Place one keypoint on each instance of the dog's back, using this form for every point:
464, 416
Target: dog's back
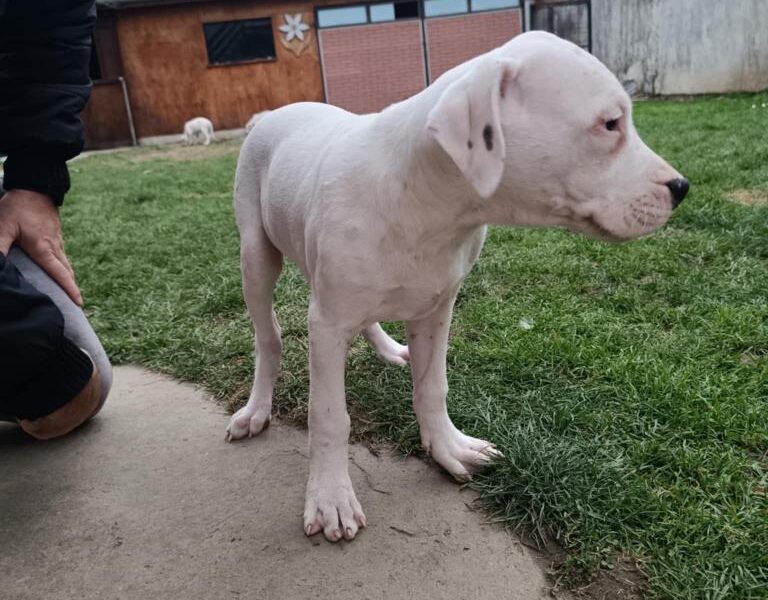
281, 149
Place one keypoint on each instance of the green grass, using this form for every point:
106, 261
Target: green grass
633, 416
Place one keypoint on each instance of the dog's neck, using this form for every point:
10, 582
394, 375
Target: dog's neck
431, 180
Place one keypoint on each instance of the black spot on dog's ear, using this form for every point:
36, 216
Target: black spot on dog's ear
488, 137
469, 144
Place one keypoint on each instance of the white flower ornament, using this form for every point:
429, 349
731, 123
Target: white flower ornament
293, 27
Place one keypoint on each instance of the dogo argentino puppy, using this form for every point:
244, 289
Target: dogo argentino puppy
197, 129
386, 213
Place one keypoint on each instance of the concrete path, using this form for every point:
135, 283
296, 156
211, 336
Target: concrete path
148, 501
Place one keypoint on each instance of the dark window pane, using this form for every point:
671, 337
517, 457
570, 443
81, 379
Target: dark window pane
540, 18
406, 10
347, 15
571, 22
238, 41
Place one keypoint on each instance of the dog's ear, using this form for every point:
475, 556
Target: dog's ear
466, 122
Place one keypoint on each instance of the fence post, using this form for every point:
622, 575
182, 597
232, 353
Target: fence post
128, 110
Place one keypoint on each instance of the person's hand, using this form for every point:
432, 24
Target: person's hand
31, 221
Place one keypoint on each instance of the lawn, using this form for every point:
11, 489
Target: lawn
633, 414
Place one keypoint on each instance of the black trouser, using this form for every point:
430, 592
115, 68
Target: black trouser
40, 369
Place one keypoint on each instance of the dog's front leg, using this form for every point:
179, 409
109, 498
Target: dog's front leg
459, 454
331, 504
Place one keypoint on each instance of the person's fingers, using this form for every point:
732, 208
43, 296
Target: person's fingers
58, 250
8, 235
31, 220
5, 243
49, 262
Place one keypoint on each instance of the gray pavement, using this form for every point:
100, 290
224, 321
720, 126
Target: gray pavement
148, 501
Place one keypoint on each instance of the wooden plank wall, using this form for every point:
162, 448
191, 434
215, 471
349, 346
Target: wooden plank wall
169, 80
105, 118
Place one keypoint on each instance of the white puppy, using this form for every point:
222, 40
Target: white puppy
255, 119
198, 129
386, 213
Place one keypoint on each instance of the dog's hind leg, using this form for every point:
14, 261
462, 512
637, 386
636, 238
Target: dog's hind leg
261, 264
387, 348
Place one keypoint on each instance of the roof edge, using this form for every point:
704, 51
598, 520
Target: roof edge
123, 4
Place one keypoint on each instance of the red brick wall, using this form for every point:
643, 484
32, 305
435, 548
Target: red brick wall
368, 67
453, 40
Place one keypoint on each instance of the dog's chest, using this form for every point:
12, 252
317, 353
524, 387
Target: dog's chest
409, 281
412, 297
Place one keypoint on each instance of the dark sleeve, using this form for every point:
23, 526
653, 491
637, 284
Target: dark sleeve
40, 369
45, 49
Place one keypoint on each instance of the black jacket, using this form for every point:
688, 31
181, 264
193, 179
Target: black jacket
45, 48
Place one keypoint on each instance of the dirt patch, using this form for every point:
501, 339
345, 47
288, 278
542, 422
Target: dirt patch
625, 581
749, 197
188, 153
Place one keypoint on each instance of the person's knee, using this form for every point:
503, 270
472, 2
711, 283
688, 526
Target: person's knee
78, 330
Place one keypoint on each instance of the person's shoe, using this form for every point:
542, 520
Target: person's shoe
70, 416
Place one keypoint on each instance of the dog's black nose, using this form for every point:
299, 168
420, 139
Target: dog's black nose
679, 188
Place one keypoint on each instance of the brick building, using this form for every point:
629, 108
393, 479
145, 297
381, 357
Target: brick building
158, 63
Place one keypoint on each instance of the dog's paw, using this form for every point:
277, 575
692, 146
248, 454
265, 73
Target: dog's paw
387, 348
394, 353
459, 454
332, 507
246, 422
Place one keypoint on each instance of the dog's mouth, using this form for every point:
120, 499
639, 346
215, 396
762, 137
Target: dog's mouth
599, 232
640, 217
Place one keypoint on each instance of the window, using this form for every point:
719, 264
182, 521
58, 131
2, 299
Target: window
385, 12
367, 13
479, 5
437, 8
347, 15
393, 11
406, 10
239, 41
569, 20
382, 12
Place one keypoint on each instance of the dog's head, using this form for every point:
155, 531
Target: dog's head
543, 132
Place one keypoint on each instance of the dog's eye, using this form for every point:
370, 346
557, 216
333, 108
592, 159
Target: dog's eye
612, 125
